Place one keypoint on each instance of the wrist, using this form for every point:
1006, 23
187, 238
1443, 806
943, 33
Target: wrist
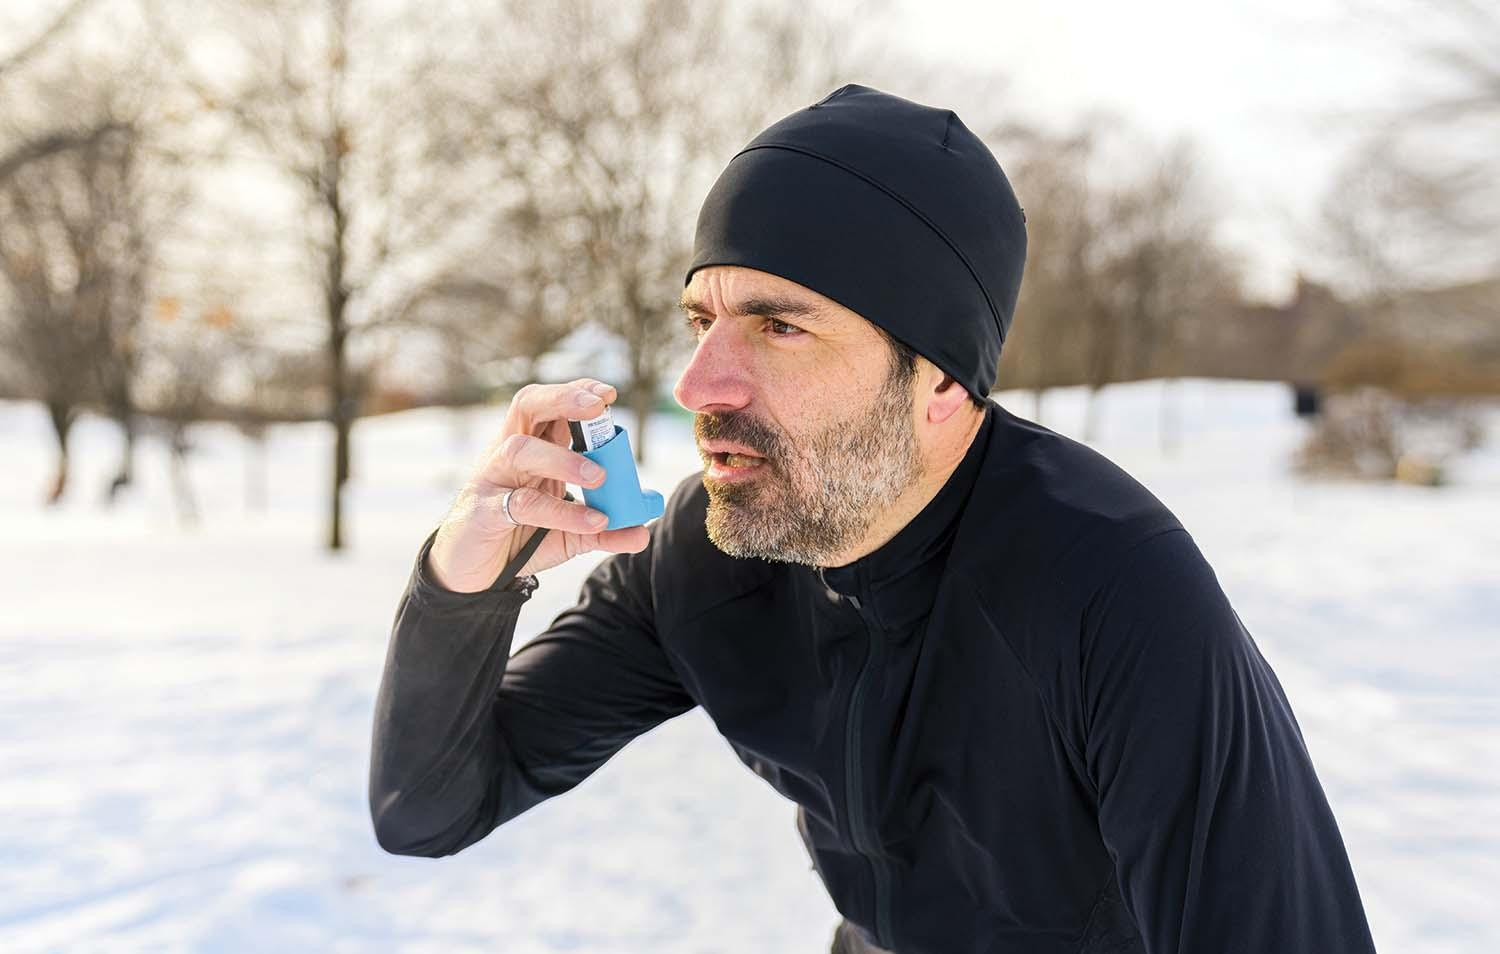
431, 578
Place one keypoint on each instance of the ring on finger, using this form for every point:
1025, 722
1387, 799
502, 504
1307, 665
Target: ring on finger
505, 506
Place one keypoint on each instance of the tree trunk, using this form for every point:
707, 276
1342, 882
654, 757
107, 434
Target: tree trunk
182, 488
340, 396
126, 473
62, 422
339, 417
642, 401
643, 374
330, 184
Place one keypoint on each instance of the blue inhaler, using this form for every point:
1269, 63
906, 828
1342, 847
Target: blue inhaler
620, 497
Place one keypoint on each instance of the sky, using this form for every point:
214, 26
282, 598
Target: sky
1258, 84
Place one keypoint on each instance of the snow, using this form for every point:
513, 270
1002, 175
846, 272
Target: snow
185, 712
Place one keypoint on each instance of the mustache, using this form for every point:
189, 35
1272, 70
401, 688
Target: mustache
741, 428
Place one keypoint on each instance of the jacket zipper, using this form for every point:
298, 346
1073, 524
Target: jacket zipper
861, 830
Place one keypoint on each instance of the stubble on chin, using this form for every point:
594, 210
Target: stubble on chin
816, 499
741, 520
796, 514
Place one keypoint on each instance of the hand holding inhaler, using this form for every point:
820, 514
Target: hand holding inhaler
518, 489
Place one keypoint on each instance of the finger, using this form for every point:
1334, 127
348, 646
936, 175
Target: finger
533, 508
605, 391
624, 540
562, 547
550, 402
522, 459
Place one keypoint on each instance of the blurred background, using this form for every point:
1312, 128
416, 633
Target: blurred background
271, 270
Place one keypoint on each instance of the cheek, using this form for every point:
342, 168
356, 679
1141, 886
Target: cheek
798, 392
806, 407
810, 389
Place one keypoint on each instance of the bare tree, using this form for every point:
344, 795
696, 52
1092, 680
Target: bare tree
1407, 233
50, 144
1121, 267
25, 149
1160, 272
1165, 276
1427, 159
181, 372
42, 38
204, 362
91, 197
1057, 292
1387, 224
513, 304
609, 117
1458, 45
340, 99
72, 252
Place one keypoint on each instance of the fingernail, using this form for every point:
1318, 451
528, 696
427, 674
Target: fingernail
591, 470
584, 400
600, 389
598, 519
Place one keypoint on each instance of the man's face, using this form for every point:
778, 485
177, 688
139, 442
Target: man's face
804, 422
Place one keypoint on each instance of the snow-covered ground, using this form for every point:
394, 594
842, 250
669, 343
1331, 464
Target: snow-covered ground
185, 713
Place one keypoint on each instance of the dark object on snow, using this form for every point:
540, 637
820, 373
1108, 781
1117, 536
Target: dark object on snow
1307, 400
892, 209
1031, 722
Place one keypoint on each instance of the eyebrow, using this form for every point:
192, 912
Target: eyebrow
764, 306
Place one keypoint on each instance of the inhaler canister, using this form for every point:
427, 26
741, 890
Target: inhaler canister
593, 433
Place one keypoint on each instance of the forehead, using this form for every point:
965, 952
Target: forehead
739, 291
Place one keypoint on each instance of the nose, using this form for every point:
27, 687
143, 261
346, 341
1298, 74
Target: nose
717, 377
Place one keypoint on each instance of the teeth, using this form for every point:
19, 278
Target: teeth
741, 460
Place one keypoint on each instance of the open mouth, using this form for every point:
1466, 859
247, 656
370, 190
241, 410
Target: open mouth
735, 465
736, 461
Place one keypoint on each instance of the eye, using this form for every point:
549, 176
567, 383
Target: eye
697, 324
781, 329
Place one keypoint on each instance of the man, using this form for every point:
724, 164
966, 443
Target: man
1007, 693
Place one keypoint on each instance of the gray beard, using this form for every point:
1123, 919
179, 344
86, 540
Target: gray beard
813, 503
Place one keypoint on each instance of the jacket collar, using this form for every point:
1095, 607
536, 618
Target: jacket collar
900, 577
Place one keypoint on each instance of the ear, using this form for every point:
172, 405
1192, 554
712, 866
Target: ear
945, 396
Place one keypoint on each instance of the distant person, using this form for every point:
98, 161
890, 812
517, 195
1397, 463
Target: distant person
997, 676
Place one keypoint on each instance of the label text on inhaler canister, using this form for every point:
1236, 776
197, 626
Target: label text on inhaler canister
598, 431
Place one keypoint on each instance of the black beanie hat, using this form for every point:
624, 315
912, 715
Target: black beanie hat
892, 209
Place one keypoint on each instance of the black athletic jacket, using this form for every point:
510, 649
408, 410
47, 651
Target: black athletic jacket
1030, 723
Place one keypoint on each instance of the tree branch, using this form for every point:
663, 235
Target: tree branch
49, 145
39, 42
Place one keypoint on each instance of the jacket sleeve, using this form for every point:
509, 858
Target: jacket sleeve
467, 736
1220, 833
